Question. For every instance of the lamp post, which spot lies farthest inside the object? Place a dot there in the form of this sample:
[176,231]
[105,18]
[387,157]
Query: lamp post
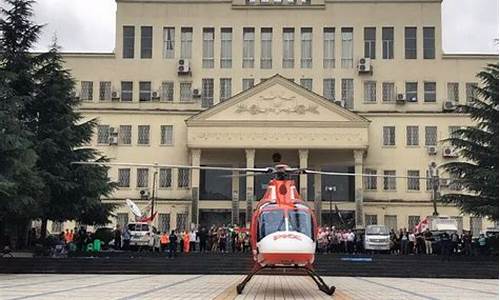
[433,173]
[331,189]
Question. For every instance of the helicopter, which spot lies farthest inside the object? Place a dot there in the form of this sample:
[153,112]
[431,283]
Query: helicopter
[283,228]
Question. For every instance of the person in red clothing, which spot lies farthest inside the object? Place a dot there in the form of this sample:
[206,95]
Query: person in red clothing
[185,239]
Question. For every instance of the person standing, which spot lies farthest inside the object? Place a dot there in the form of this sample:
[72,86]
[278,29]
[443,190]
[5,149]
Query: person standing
[126,238]
[192,240]
[172,244]
[164,241]
[445,245]
[118,237]
[454,243]
[186,240]
[428,241]
[202,234]
[411,242]
[467,240]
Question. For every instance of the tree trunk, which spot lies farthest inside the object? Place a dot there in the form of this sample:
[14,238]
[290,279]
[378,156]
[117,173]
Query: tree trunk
[43,229]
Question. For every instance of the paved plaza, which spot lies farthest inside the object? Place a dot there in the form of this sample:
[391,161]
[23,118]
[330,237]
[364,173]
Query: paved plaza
[222,287]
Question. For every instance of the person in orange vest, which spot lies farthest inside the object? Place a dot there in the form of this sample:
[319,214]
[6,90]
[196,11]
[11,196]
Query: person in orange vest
[185,239]
[71,236]
[164,241]
[67,236]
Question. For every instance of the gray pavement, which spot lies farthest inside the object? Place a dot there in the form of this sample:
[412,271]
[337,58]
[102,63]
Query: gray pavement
[222,287]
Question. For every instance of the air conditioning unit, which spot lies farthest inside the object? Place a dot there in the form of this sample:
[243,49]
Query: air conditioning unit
[113,136]
[432,150]
[449,105]
[401,99]
[340,102]
[144,194]
[183,67]
[449,152]
[364,65]
[196,93]
[115,96]
[155,95]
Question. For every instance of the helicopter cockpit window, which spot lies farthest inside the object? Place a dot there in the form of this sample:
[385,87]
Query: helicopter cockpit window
[271,221]
[300,221]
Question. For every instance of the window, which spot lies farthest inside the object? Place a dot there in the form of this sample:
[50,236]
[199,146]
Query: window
[143,135]
[123,177]
[329,48]
[248,47]
[306,48]
[452,88]
[247,83]
[125,135]
[300,221]
[271,221]
[288,48]
[476,225]
[87,91]
[413,222]
[102,134]
[410,42]
[306,83]
[370,219]
[460,223]
[412,135]
[266,48]
[128,41]
[429,92]
[225,88]
[452,131]
[471,91]
[186,92]
[387,42]
[347,50]
[388,92]
[57,227]
[167,91]
[389,182]
[105,90]
[413,181]
[186,42]
[183,177]
[370,42]
[208,48]
[329,89]
[389,133]
[411,91]
[127,90]
[348,93]
[370,91]
[142,177]
[169,42]
[429,43]
[181,223]
[146,42]
[430,135]
[370,182]
[164,223]
[226,60]
[144,91]
[122,219]
[165,177]
[167,135]
[207,92]
[391,221]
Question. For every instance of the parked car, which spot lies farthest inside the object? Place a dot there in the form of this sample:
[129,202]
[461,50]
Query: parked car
[377,238]
[144,235]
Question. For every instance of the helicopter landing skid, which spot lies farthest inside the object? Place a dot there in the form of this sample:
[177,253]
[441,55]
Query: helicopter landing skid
[317,279]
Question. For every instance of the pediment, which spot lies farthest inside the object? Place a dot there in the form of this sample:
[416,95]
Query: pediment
[277,100]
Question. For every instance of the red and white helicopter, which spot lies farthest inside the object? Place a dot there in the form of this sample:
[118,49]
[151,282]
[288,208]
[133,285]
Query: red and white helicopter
[283,227]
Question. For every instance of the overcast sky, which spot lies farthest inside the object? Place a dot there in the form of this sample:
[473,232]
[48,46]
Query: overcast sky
[469,26]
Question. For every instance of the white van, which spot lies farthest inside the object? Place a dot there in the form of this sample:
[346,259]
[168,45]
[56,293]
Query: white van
[377,238]
[143,235]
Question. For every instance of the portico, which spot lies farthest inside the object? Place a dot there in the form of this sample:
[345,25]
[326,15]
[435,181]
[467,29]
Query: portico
[274,116]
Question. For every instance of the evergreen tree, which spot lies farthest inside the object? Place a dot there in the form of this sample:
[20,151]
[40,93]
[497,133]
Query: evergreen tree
[19,182]
[478,145]
[71,192]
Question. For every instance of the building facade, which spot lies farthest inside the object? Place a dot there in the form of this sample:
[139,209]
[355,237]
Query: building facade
[334,85]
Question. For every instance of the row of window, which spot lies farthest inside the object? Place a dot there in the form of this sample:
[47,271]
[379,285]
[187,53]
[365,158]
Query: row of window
[288,39]
[413,135]
[166,91]
[370,183]
[164,179]
[124,134]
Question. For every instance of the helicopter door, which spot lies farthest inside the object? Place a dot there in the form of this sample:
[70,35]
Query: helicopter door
[271,221]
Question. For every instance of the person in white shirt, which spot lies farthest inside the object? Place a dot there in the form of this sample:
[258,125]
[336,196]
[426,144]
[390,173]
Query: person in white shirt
[192,240]
[411,242]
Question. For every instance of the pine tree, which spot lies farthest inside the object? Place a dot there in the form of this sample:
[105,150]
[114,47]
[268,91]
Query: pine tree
[70,191]
[19,181]
[478,145]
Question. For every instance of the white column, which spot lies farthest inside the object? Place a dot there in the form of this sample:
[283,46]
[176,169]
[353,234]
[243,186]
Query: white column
[250,157]
[303,158]
[235,204]
[195,185]
[317,195]
[358,186]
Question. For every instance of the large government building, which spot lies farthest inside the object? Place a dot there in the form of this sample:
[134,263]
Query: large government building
[335,85]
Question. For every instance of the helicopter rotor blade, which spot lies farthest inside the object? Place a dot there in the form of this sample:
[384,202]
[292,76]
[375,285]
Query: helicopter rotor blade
[326,173]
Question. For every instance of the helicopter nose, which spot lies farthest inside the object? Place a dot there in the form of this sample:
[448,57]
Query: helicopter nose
[286,247]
